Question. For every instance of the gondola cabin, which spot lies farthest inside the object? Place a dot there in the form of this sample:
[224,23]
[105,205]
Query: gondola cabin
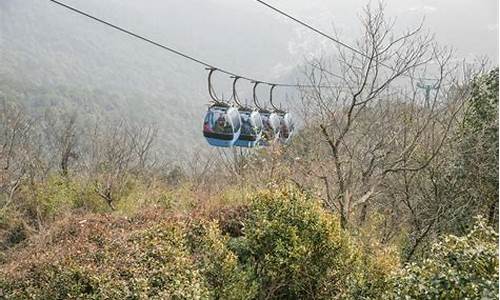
[287,127]
[251,128]
[222,125]
[271,127]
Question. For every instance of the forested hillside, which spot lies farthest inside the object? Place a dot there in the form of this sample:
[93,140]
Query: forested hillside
[387,190]
[56,59]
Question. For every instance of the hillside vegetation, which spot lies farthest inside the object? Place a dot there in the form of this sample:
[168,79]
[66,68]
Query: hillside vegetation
[386,191]
[59,60]
[124,227]
[281,245]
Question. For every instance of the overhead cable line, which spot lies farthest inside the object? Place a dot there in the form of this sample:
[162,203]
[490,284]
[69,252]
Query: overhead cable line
[177,52]
[312,28]
[325,35]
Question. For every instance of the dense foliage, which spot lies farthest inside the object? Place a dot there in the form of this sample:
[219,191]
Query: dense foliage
[297,249]
[456,268]
[289,248]
[478,158]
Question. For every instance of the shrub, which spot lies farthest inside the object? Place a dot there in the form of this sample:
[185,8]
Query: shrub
[52,282]
[13,229]
[161,262]
[230,219]
[46,200]
[226,278]
[376,262]
[456,268]
[150,263]
[297,249]
[88,200]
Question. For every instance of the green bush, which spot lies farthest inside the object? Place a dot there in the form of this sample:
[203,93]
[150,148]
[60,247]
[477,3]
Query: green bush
[370,273]
[297,249]
[52,282]
[150,264]
[456,268]
[227,279]
[141,195]
[162,263]
[46,200]
[87,199]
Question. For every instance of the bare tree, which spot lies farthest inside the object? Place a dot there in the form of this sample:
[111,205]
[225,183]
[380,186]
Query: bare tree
[142,140]
[62,134]
[117,152]
[19,152]
[374,121]
[199,167]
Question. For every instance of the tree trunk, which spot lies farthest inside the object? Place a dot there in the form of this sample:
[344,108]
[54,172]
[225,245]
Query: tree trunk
[493,213]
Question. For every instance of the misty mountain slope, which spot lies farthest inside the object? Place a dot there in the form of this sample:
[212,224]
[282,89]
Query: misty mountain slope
[52,57]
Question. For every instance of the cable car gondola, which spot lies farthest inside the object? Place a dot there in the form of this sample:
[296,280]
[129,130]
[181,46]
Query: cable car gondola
[287,127]
[222,125]
[251,128]
[251,123]
[270,122]
[286,123]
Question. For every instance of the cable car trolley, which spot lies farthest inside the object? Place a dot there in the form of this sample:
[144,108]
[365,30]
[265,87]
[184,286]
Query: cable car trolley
[222,124]
[286,123]
[270,121]
[251,123]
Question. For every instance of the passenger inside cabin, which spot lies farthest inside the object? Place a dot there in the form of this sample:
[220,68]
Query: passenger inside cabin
[222,125]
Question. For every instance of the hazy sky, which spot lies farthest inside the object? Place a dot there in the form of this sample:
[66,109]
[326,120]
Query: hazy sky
[469,26]
[44,45]
[239,33]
